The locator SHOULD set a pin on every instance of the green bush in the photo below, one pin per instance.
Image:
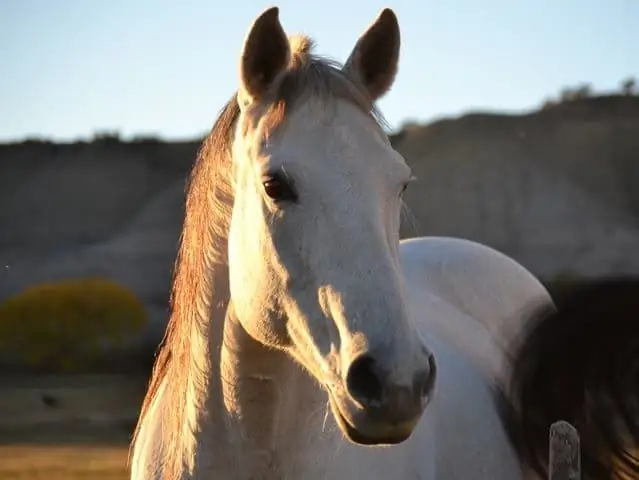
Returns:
(563, 283)
(66, 325)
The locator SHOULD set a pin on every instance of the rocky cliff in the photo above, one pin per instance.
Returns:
(557, 189)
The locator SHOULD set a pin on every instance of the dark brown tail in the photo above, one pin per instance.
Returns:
(580, 363)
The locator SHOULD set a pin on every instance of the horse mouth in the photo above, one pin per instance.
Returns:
(357, 437)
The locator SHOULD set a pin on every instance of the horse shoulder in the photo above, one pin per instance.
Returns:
(469, 439)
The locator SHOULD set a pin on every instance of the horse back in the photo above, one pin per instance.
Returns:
(483, 284)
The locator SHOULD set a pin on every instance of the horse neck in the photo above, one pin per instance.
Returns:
(255, 402)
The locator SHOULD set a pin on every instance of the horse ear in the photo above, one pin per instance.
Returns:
(374, 59)
(266, 53)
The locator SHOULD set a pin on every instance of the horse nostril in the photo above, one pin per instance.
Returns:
(363, 382)
(425, 379)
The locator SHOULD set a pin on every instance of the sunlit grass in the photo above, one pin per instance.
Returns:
(69, 462)
(82, 432)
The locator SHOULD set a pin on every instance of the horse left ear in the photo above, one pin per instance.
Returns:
(265, 55)
(375, 58)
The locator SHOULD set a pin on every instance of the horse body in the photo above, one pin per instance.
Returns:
(305, 340)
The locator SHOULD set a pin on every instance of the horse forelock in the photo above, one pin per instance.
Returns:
(202, 246)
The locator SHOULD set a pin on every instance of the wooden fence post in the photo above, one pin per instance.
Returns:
(564, 455)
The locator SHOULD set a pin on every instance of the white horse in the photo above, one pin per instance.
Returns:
(306, 340)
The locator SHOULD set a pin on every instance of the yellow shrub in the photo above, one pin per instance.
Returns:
(66, 324)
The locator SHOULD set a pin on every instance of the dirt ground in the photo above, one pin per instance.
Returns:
(67, 427)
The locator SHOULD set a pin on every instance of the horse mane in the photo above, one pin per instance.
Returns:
(579, 363)
(208, 202)
(209, 198)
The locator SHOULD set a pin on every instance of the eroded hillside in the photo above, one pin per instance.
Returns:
(557, 189)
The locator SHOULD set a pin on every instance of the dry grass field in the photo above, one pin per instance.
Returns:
(63, 462)
(67, 428)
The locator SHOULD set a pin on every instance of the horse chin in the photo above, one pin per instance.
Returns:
(357, 437)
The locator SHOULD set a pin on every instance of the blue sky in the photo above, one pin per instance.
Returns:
(69, 68)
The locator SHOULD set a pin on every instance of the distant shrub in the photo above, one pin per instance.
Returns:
(564, 282)
(146, 139)
(409, 124)
(107, 138)
(566, 277)
(629, 86)
(570, 94)
(66, 325)
(36, 141)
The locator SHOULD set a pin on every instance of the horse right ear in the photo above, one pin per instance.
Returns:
(266, 53)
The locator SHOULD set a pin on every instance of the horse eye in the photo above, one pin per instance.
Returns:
(279, 189)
